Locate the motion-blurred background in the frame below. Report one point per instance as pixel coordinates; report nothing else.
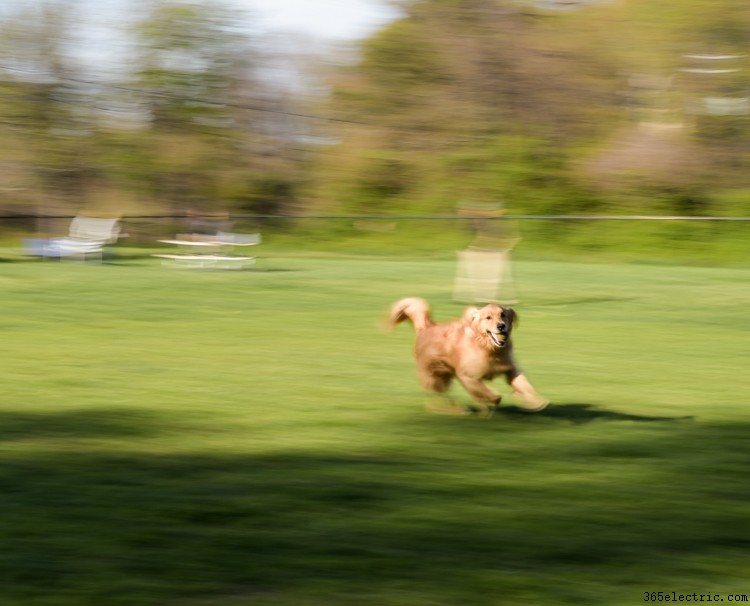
(549, 108)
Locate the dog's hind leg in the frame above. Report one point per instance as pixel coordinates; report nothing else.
(438, 382)
(440, 402)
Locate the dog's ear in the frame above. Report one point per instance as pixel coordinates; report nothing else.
(470, 315)
(510, 315)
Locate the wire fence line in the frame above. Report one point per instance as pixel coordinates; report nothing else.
(461, 217)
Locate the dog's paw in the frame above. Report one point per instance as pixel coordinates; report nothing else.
(534, 403)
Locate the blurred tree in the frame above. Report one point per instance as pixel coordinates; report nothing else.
(184, 121)
(47, 111)
(192, 60)
(487, 98)
(191, 64)
(469, 78)
(221, 133)
(528, 92)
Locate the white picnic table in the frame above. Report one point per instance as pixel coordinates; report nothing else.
(210, 252)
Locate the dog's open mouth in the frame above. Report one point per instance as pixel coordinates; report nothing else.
(498, 340)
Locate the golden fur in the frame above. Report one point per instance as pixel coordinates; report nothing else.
(473, 349)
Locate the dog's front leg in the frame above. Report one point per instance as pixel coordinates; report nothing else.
(532, 401)
(482, 394)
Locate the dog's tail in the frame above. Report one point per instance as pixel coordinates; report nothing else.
(412, 308)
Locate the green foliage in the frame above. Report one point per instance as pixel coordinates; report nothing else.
(190, 56)
(486, 101)
(166, 133)
(383, 178)
(401, 57)
(522, 173)
(519, 98)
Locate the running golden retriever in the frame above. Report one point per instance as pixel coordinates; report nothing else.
(474, 349)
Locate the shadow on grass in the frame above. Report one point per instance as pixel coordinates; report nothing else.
(88, 423)
(585, 413)
(535, 521)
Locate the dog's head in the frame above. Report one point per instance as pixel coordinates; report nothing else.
(492, 324)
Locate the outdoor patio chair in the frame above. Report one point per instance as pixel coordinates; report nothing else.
(87, 237)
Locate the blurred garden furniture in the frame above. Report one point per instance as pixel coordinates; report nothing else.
(483, 276)
(86, 239)
(483, 271)
(210, 251)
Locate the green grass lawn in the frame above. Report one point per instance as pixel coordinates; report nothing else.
(196, 438)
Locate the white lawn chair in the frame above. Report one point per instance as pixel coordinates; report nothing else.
(87, 237)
